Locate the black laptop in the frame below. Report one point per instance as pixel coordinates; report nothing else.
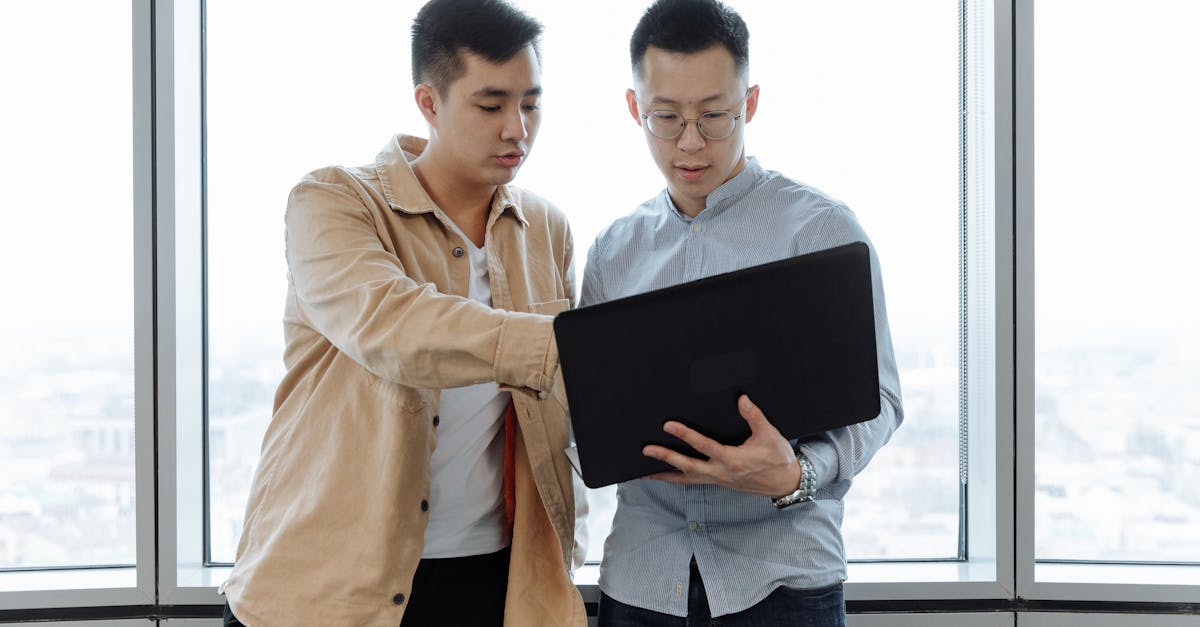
(797, 336)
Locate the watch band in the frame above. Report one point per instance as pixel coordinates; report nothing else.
(807, 491)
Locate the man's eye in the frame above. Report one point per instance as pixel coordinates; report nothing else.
(490, 108)
(714, 115)
(533, 107)
(666, 117)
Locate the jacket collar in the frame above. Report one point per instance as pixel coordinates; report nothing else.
(403, 191)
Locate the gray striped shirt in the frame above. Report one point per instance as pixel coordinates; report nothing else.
(743, 546)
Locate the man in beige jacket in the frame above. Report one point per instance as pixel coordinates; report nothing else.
(398, 483)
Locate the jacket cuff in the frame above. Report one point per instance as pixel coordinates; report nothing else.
(526, 355)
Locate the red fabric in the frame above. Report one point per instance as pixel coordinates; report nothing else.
(510, 467)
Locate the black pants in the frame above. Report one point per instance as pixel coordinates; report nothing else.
(451, 592)
(457, 591)
(230, 619)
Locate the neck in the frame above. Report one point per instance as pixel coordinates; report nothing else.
(688, 207)
(467, 204)
(692, 208)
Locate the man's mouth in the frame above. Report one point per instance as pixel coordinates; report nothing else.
(690, 172)
(511, 159)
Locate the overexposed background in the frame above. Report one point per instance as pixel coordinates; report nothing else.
(859, 98)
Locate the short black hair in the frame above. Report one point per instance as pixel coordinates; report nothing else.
(492, 29)
(688, 26)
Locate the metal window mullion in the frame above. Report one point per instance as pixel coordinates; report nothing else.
(963, 291)
(145, 284)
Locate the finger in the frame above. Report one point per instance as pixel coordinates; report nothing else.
(759, 425)
(678, 460)
(704, 445)
(679, 478)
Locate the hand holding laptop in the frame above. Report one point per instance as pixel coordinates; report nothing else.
(764, 464)
(796, 335)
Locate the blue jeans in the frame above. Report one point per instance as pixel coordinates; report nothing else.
(785, 607)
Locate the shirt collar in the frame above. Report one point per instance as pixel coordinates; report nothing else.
(724, 196)
(403, 191)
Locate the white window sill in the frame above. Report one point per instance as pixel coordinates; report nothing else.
(1121, 583)
(197, 585)
(1125, 574)
(84, 587)
(867, 581)
(80, 579)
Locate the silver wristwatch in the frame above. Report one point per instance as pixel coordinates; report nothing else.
(807, 491)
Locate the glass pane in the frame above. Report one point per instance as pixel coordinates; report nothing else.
(1117, 401)
(820, 121)
(867, 112)
(66, 262)
(271, 119)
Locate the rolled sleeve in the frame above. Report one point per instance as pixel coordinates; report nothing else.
(526, 355)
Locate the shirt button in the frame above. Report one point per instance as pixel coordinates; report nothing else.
(459, 252)
(696, 228)
(692, 525)
(424, 505)
(398, 599)
(437, 420)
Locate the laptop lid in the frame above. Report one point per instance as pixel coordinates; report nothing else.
(796, 335)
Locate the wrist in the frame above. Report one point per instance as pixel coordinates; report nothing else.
(794, 477)
(807, 490)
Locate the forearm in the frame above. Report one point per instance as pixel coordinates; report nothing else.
(420, 338)
(355, 293)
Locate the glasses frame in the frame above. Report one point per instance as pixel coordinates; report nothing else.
(683, 124)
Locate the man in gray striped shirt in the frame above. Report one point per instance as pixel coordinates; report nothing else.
(753, 534)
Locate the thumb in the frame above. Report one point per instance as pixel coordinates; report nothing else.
(759, 425)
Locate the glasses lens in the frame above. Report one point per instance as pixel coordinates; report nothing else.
(717, 124)
(664, 124)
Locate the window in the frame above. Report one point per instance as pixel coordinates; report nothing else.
(66, 259)
(1117, 345)
(821, 120)
(268, 123)
(136, 371)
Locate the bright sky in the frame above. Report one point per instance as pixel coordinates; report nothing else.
(858, 98)
(851, 104)
(877, 131)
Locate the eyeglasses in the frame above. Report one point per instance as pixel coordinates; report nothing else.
(668, 124)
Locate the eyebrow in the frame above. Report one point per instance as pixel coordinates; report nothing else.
(668, 101)
(496, 92)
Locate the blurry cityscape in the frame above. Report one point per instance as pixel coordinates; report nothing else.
(1117, 477)
(66, 453)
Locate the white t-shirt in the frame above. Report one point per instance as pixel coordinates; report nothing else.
(466, 502)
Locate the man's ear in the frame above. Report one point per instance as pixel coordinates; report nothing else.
(427, 101)
(751, 103)
(631, 100)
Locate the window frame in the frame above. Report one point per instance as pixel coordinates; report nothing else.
(999, 575)
(1053, 580)
(121, 585)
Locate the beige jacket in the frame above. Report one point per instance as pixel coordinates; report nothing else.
(376, 322)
